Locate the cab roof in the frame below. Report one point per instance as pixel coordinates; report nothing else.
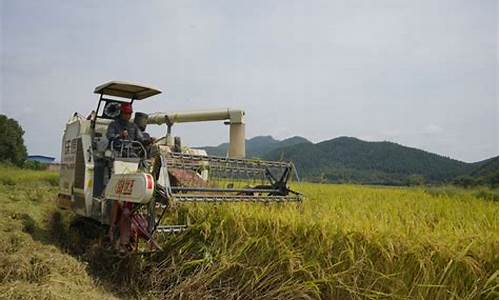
(124, 89)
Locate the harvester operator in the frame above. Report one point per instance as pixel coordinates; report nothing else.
(119, 130)
(122, 128)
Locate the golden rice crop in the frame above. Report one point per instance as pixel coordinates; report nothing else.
(342, 242)
(346, 241)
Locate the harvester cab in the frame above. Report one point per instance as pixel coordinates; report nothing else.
(129, 186)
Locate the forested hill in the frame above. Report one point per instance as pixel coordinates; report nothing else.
(486, 168)
(257, 146)
(484, 173)
(348, 159)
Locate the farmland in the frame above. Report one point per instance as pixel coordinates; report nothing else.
(343, 242)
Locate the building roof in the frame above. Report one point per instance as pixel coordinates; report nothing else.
(127, 90)
(41, 158)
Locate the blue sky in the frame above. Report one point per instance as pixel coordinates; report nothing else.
(421, 73)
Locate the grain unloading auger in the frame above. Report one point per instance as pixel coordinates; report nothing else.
(130, 186)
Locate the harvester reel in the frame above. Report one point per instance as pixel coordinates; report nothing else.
(181, 178)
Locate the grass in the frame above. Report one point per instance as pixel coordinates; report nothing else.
(12, 176)
(32, 266)
(343, 242)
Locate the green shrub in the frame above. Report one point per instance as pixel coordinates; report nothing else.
(34, 165)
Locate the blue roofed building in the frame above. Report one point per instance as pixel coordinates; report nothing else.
(41, 159)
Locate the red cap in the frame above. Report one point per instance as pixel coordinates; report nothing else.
(126, 108)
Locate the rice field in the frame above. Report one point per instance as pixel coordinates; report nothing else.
(342, 242)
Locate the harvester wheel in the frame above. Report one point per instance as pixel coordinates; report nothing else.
(86, 228)
(83, 232)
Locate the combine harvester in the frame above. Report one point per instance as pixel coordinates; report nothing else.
(129, 186)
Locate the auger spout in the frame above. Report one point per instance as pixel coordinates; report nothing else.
(235, 120)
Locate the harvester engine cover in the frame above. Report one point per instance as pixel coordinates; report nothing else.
(136, 188)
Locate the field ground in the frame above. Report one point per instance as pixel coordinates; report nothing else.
(343, 242)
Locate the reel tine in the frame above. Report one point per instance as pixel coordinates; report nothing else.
(229, 179)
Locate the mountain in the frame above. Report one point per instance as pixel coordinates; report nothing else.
(257, 146)
(348, 159)
(484, 173)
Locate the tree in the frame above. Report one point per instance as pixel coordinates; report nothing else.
(12, 147)
(465, 181)
(414, 180)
